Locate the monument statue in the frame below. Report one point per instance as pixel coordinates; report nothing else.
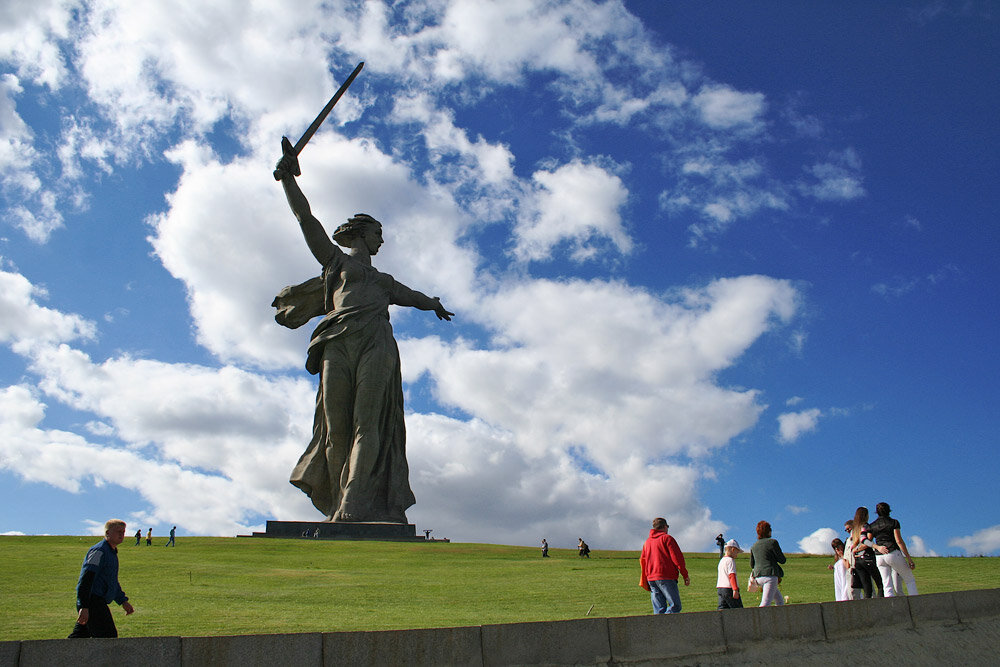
(354, 469)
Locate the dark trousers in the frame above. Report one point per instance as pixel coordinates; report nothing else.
(100, 623)
(868, 574)
(727, 601)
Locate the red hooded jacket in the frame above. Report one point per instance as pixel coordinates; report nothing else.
(661, 558)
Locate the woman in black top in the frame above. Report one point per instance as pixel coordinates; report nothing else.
(892, 553)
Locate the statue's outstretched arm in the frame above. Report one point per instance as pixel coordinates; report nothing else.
(404, 296)
(321, 246)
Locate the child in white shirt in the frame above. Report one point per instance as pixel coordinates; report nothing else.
(728, 583)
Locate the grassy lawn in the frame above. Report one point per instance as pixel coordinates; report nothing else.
(223, 586)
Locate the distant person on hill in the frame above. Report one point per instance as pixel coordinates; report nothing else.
(842, 589)
(766, 558)
(98, 586)
(149, 537)
(660, 564)
(727, 583)
(545, 548)
(892, 556)
(584, 549)
(721, 541)
(864, 555)
(170, 542)
(138, 536)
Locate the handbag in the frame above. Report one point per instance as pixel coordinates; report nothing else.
(753, 586)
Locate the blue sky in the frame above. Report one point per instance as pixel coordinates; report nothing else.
(713, 262)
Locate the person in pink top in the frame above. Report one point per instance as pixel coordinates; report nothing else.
(661, 562)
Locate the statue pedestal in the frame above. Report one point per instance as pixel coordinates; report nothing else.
(395, 532)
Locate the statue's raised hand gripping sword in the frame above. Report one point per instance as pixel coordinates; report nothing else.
(293, 151)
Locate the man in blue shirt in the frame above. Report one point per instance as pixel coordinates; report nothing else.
(98, 586)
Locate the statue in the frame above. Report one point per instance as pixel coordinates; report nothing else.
(354, 469)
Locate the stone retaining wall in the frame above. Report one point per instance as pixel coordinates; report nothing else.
(962, 627)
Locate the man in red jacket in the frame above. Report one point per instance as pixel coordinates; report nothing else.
(661, 561)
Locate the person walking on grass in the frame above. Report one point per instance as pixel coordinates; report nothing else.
(98, 586)
(660, 564)
(766, 558)
(727, 584)
(170, 542)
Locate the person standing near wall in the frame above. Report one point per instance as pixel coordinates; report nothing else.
(727, 583)
(98, 586)
(892, 553)
(766, 558)
(660, 563)
(864, 555)
(842, 572)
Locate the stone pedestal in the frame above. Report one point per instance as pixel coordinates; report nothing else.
(395, 532)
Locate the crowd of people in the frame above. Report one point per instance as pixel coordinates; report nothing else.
(874, 562)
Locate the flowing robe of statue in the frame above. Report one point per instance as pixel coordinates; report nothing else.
(355, 465)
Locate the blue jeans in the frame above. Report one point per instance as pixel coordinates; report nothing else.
(666, 596)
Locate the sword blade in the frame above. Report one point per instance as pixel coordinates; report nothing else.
(304, 139)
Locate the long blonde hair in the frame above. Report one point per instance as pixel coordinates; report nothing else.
(860, 519)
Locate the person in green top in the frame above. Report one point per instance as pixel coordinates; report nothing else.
(765, 565)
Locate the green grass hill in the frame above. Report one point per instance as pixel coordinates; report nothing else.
(224, 586)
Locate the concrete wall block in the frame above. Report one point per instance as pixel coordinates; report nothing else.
(249, 650)
(576, 642)
(9, 652)
(153, 651)
(436, 646)
(933, 608)
(657, 636)
(797, 621)
(857, 617)
(977, 604)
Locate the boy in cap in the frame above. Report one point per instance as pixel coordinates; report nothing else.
(728, 583)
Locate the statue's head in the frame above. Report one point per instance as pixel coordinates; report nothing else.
(355, 227)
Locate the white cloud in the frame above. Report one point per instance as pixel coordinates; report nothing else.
(818, 542)
(576, 202)
(722, 190)
(836, 180)
(36, 214)
(190, 433)
(796, 509)
(982, 542)
(917, 547)
(721, 107)
(793, 425)
(24, 323)
(30, 31)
